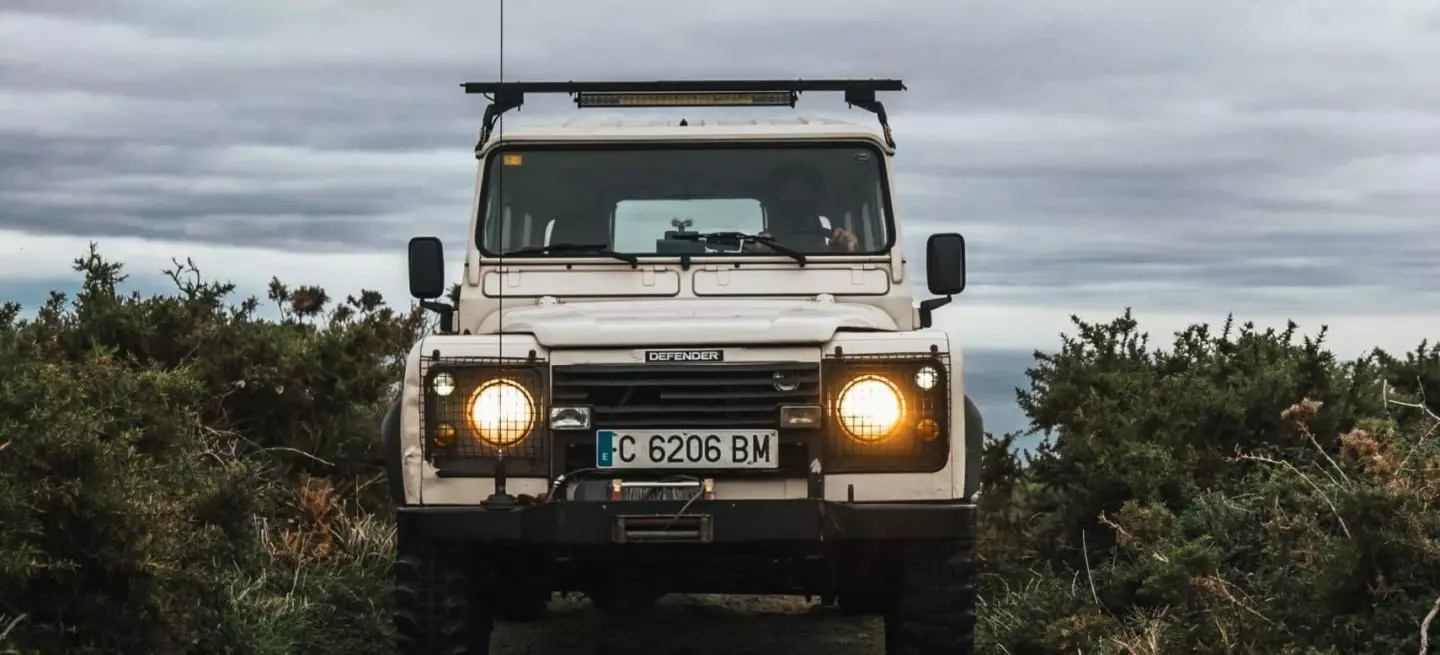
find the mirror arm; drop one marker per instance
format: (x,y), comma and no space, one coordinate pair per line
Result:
(928,307)
(446,312)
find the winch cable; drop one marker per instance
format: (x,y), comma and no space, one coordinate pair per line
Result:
(560,486)
(680,514)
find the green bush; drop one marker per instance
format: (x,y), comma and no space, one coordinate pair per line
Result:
(1241,492)
(180,475)
(156,463)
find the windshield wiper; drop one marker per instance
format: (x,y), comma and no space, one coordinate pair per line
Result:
(742,237)
(579,248)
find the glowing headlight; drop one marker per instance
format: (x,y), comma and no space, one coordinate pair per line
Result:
(870,407)
(501,412)
(927,377)
(443,384)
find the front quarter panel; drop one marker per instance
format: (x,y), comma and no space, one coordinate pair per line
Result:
(421,484)
(946,484)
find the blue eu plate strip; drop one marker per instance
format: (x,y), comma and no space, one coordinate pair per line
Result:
(604,448)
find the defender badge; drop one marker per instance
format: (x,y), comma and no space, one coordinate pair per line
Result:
(712,355)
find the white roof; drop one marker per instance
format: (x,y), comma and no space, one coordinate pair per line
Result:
(801,127)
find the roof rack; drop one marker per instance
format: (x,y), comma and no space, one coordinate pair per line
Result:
(505,96)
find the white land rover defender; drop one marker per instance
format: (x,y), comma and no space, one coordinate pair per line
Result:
(684,358)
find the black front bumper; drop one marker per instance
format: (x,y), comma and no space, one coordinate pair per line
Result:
(714,521)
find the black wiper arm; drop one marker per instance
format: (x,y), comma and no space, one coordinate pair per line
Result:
(580,248)
(742,237)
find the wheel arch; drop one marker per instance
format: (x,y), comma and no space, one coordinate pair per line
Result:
(390,443)
(974,447)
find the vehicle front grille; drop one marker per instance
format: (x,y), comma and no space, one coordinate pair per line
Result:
(686,396)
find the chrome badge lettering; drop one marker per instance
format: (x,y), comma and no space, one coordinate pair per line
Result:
(684,355)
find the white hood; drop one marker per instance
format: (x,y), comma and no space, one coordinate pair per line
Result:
(688,322)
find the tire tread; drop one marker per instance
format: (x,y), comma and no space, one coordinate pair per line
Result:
(435,606)
(934,609)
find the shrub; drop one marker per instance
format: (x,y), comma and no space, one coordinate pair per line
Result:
(155,463)
(1242,492)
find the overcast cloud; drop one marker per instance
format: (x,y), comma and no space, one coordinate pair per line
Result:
(1276,159)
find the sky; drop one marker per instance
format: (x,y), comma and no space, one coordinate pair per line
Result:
(1189,159)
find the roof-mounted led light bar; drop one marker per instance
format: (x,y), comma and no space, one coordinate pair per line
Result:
(505,96)
(683,99)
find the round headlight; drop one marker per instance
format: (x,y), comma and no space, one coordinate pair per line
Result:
(501,412)
(870,407)
(927,377)
(443,384)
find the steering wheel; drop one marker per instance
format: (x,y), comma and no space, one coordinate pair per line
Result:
(816,230)
(812,232)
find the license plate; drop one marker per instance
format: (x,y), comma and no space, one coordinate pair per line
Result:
(687,449)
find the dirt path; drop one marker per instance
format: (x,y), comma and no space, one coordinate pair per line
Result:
(696,625)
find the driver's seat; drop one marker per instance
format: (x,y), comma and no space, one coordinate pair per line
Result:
(800,233)
(580,228)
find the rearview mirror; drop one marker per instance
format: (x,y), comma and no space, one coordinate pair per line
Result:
(945,263)
(427,268)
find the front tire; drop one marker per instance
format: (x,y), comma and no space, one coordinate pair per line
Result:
(439,605)
(934,604)
(623,601)
(863,603)
(521,604)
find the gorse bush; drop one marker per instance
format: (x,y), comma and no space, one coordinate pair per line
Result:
(181,475)
(1242,492)
(155,463)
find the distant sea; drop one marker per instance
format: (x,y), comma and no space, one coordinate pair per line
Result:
(991,379)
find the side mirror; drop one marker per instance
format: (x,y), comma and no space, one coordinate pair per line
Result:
(944,272)
(427,278)
(945,263)
(427,268)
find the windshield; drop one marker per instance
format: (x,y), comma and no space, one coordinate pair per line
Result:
(665,200)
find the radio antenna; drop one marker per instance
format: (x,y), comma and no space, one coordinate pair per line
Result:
(500,498)
(500,215)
